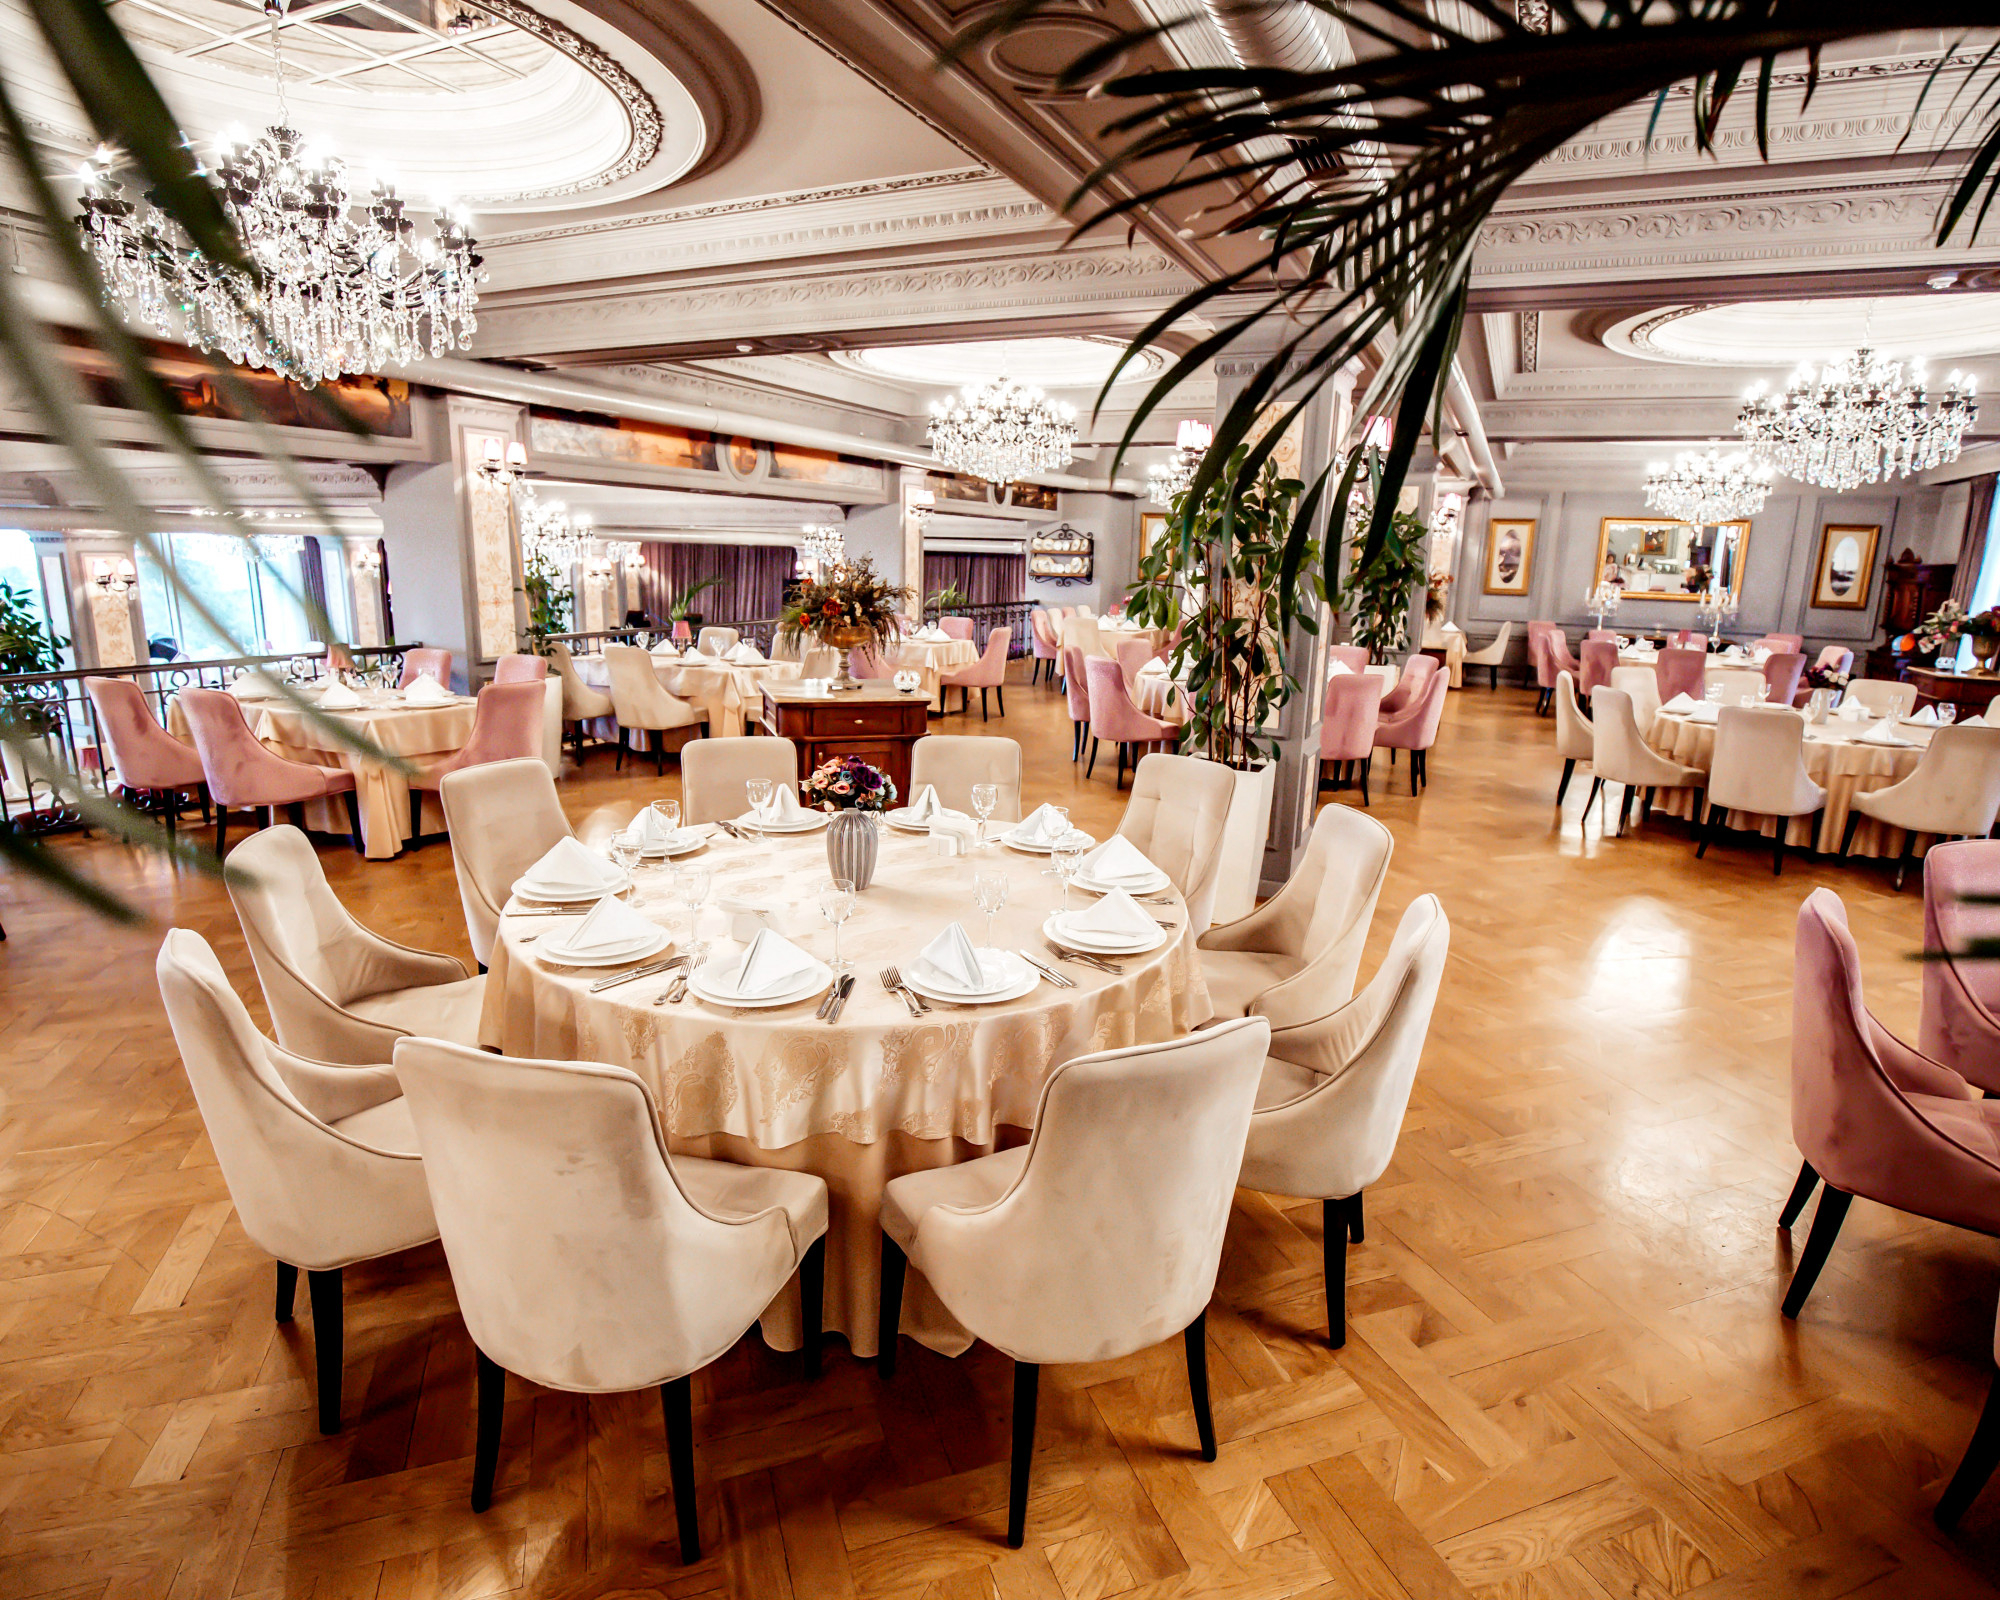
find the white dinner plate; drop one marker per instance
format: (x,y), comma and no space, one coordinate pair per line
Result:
(1022,979)
(1096,945)
(812,983)
(1153,885)
(1083,842)
(524,888)
(809,823)
(900,820)
(638,951)
(679,845)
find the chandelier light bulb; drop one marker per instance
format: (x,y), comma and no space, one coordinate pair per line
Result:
(1166,481)
(1002,431)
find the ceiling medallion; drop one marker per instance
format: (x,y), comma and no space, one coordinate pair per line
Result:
(1708,488)
(1167,480)
(1857,420)
(1002,431)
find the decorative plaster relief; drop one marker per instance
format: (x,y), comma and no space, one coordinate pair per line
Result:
(492,524)
(111,623)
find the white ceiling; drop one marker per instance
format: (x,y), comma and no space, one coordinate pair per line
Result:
(1938,328)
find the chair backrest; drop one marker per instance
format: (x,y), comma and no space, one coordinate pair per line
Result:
(1110,1238)
(1738,685)
(1599,633)
(1836,656)
(1777,643)
(864,662)
(1556,642)
(638,698)
(819,661)
(1643,689)
(1782,671)
(1600,659)
(304,1191)
(1759,760)
(1538,654)
(145,754)
(1695,639)
(1961,1011)
(1956,786)
(1430,713)
(1347,725)
(1132,655)
(1045,642)
(1411,684)
(1884,697)
(580,700)
(956,627)
(715,641)
(952,763)
(239,771)
(579,1261)
(418,663)
(520,669)
(503,817)
(308,950)
(713,772)
(506,724)
(1574,739)
(1113,715)
(1681,671)
(1341,1134)
(1322,915)
(1351,656)
(1617,750)
(991,667)
(1176,816)
(1076,682)
(1494,651)
(1080,631)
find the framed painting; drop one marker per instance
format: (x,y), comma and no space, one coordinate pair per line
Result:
(1151,525)
(1845,571)
(1510,554)
(1657,558)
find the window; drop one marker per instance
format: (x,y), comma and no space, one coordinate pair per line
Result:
(25,571)
(254,601)
(1986,588)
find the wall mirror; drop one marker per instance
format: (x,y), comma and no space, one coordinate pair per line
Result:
(1664,560)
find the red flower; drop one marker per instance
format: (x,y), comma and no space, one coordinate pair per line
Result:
(831,608)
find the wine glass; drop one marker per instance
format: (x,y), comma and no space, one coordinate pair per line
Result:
(989,893)
(1947,714)
(691,889)
(758,791)
(1062,816)
(669,813)
(1067,858)
(624,853)
(985,796)
(836,904)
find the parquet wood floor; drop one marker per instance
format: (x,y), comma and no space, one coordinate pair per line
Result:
(1566,1378)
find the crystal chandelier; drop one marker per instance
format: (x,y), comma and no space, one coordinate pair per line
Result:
(1002,431)
(1167,479)
(1857,420)
(822,549)
(550,531)
(337,290)
(1708,487)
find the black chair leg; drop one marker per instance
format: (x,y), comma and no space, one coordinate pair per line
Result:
(812,1301)
(619,764)
(1584,821)
(221,827)
(1027,1380)
(288,1290)
(1333,1228)
(1091,765)
(1832,1212)
(1000,698)
(323,1290)
(1847,833)
(486,1440)
(1195,1337)
(1802,1190)
(1365,760)
(1413,773)
(1982,1455)
(416,819)
(1569,770)
(1903,861)
(1707,832)
(1121,766)
(1357,1227)
(982,705)
(660,753)
(677,1405)
(1778,846)
(894,1264)
(354,823)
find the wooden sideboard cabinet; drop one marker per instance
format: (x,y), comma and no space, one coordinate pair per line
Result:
(1911,591)
(877,723)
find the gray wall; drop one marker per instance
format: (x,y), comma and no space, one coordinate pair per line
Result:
(429,586)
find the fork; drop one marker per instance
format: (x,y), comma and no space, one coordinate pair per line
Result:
(892,980)
(1085,959)
(673,994)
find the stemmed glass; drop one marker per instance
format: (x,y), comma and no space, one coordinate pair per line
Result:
(691,889)
(1062,815)
(624,852)
(1946,714)
(985,796)
(758,791)
(1067,858)
(989,893)
(669,813)
(836,904)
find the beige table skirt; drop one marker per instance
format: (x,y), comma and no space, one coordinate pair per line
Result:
(934,658)
(1158,695)
(880,1095)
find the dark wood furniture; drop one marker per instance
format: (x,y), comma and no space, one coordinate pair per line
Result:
(1969,691)
(877,723)
(1911,591)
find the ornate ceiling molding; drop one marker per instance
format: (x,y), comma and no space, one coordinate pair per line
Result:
(715,74)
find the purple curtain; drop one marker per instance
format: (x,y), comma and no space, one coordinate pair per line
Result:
(312,574)
(1972,544)
(753,578)
(987,580)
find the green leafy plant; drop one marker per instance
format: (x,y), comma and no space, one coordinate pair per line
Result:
(949,598)
(27,644)
(1380,586)
(681,603)
(549,600)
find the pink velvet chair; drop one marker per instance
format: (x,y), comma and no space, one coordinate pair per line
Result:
(506,726)
(1695,639)
(418,662)
(1776,643)
(243,776)
(1415,727)
(1411,686)
(1042,640)
(1871,1116)
(1681,671)
(956,627)
(864,663)
(1600,658)
(1556,642)
(1347,729)
(1132,655)
(1783,672)
(1544,665)
(1961,1015)
(152,764)
(1835,657)
(1352,656)
(1599,633)
(988,672)
(1076,689)
(520,669)
(1113,716)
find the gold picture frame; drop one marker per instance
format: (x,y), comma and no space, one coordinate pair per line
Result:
(1660,558)
(1151,525)
(1510,554)
(1844,574)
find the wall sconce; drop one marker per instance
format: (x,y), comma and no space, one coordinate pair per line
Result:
(502,461)
(368,562)
(114,575)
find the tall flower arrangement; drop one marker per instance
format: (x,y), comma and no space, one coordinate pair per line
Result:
(851,599)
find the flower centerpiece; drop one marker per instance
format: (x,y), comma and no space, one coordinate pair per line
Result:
(851,605)
(857,794)
(1826,678)
(1937,633)
(1984,632)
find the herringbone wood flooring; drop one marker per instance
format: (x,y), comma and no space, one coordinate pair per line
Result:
(1566,1374)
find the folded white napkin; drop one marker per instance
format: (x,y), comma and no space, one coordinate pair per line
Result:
(1338,669)
(1116,916)
(952,957)
(1043,826)
(611,926)
(1925,717)
(666,647)
(1851,711)
(1156,668)
(1976,720)
(426,691)
(1707,711)
(1681,704)
(693,654)
(925,805)
(745,654)
(933,635)
(785,807)
(649,832)
(1884,732)
(1118,860)
(1760,656)
(251,686)
(771,965)
(570,868)
(952,834)
(336,696)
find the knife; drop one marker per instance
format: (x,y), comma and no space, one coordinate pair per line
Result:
(840,1000)
(1054,977)
(826,1000)
(650,969)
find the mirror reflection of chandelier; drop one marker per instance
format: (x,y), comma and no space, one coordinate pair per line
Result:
(1707,487)
(822,549)
(1857,420)
(1002,431)
(550,530)
(339,290)
(1166,479)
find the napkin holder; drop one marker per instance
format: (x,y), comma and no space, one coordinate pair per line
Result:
(951,836)
(748,918)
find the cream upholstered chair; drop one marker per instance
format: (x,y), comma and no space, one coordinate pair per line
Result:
(1643,685)
(1298,952)
(1740,685)
(1619,755)
(952,763)
(820,661)
(1982,1455)
(1331,1103)
(713,772)
(1883,697)
(337,991)
(1954,792)
(1098,1237)
(717,641)
(581,703)
(321,1161)
(1574,740)
(503,817)
(585,1258)
(1176,816)
(1760,766)
(640,700)
(1493,655)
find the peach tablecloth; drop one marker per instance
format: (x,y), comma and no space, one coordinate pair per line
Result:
(880,1095)
(1834,760)
(933,658)
(720,688)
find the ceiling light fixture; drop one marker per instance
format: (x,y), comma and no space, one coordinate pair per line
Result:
(823,548)
(1167,480)
(1707,487)
(334,292)
(550,530)
(1002,431)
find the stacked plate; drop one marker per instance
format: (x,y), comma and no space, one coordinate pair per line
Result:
(1062,927)
(1118,864)
(569,875)
(611,935)
(805,822)
(718,983)
(1005,976)
(906,820)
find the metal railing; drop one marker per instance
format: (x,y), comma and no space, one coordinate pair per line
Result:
(760,631)
(1011,614)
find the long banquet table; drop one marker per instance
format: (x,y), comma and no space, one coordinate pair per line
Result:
(880,1094)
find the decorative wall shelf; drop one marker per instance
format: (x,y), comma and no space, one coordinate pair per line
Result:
(1062,555)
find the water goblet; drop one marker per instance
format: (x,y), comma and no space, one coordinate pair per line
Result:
(1067,858)
(985,796)
(1946,714)
(836,904)
(989,893)
(758,791)
(1062,816)
(669,813)
(691,890)
(624,853)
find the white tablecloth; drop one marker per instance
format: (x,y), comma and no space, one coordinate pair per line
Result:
(933,658)
(720,688)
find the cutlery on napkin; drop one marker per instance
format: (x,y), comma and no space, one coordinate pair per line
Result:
(771,965)
(336,696)
(1116,917)
(568,869)
(609,926)
(952,958)
(1120,862)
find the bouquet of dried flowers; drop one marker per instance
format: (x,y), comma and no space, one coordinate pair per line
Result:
(852,597)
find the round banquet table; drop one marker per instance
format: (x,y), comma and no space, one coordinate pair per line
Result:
(1835,760)
(934,658)
(1110,637)
(420,734)
(721,688)
(1159,695)
(876,1096)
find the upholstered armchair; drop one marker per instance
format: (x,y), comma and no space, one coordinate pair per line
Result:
(503,817)
(1644,689)
(1618,755)
(1493,654)
(1176,816)
(149,760)
(1784,673)
(243,776)
(639,700)
(952,763)
(1760,767)
(717,641)
(1351,656)
(581,703)
(520,669)
(1543,663)
(1410,684)
(506,726)
(1574,739)
(714,771)
(1961,1010)
(1954,792)
(1047,649)
(1881,697)
(1076,691)
(1415,727)
(956,627)
(1347,727)
(989,672)
(1114,716)
(1681,671)
(1600,660)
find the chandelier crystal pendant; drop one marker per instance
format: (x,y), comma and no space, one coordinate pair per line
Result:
(340,287)
(550,531)
(1002,431)
(1857,420)
(1707,487)
(1168,479)
(822,549)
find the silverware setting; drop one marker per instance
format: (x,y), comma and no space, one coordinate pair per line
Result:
(1084,958)
(892,980)
(674,993)
(732,830)
(650,969)
(1060,980)
(841,991)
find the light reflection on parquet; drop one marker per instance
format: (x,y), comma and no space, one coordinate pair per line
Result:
(1566,1377)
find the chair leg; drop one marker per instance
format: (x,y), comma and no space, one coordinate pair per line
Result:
(982,704)
(812,1301)
(1413,772)
(354,822)
(1091,765)
(1027,1378)
(323,1290)
(1583,822)
(1357,1227)
(1801,1192)
(1707,832)
(1827,1219)
(1121,766)
(619,764)
(1195,1338)
(295,814)
(660,753)
(416,819)
(1333,1228)
(676,1404)
(288,1290)
(1000,698)
(1365,761)
(1903,861)
(1847,833)
(1778,846)
(1982,1455)
(1569,770)
(221,827)
(492,1384)
(894,1264)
